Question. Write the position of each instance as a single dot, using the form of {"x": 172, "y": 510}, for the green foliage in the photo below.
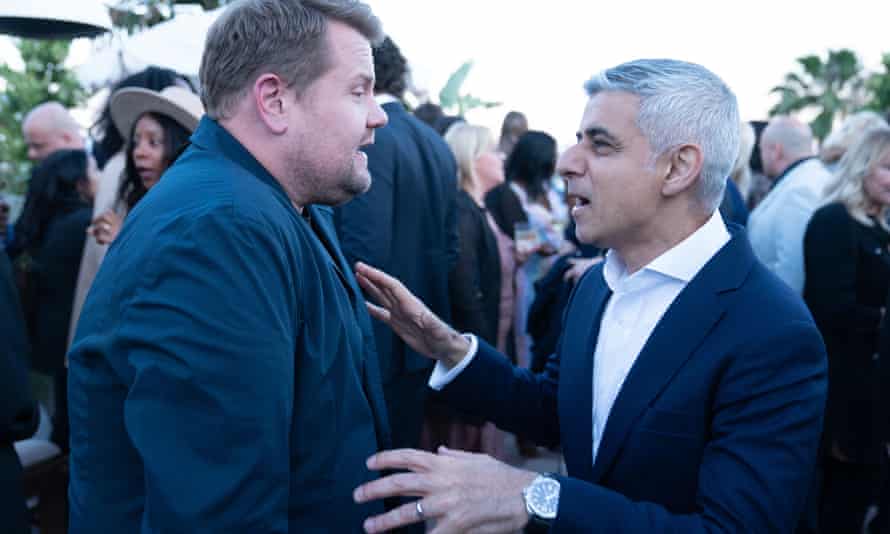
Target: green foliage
{"x": 136, "y": 15}
{"x": 834, "y": 87}
{"x": 43, "y": 78}
{"x": 450, "y": 96}
{"x": 878, "y": 85}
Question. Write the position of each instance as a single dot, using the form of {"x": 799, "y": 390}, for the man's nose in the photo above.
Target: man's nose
{"x": 377, "y": 118}
{"x": 569, "y": 165}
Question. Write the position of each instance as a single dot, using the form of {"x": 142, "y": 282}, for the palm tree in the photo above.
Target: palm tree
{"x": 879, "y": 88}
{"x": 450, "y": 96}
{"x": 834, "y": 87}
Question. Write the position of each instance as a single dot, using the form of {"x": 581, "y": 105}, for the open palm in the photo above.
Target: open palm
{"x": 409, "y": 318}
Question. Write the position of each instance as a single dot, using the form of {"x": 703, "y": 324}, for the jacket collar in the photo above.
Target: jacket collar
{"x": 674, "y": 340}
{"x": 210, "y": 135}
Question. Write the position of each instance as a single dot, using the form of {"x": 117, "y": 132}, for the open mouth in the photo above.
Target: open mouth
{"x": 576, "y": 201}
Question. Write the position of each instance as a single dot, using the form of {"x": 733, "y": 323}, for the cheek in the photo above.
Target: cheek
{"x": 878, "y": 183}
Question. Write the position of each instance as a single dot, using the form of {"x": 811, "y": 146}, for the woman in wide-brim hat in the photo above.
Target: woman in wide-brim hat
{"x": 157, "y": 125}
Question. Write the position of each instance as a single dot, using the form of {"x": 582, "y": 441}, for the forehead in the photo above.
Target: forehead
{"x": 147, "y": 122}
{"x": 349, "y": 50}
{"x": 35, "y": 131}
{"x": 613, "y": 111}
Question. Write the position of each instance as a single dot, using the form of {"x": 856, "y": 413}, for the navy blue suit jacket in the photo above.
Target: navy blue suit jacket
{"x": 406, "y": 224}
{"x": 716, "y": 427}
{"x": 223, "y": 375}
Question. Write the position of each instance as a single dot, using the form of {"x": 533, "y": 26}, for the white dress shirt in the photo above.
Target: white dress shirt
{"x": 638, "y": 301}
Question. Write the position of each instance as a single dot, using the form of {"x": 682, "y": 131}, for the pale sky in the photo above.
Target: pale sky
{"x": 534, "y": 56}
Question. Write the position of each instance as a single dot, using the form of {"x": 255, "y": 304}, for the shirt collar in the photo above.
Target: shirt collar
{"x": 788, "y": 170}
{"x": 384, "y": 98}
{"x": 682, "y": 262}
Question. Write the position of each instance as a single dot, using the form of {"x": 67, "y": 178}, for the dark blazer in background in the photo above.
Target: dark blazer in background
{"x": 505, "y": 208}
{"x": 406, "y": 225}
{"x": 733, "y": 208}
{"x": 716, "y": 427}
{"x": 51, "y": 284}
{"x": 18, "y": 413}
{"x": 223, "y": 375}
{"x": 884, "y": 352}
{"x": 847, "y": 278}
{"x": 476, "y": 280}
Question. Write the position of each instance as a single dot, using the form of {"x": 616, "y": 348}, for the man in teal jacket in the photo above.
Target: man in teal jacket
{"x": 223, "y": 375}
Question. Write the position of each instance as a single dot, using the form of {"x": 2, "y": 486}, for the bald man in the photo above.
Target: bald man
{"x": 50, "y": 127}
{"x": 776, "y": 227}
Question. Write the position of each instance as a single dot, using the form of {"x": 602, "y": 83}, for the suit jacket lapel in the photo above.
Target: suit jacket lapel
{"x": 576, "y": 371}
{"x": 675, "y": 338}
{"x": 323, "y": 229}
{"x": 371, "y": 380}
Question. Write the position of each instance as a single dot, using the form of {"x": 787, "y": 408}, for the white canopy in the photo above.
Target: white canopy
{"x": 175, "y": 44}
{"x": 53, "y": 19}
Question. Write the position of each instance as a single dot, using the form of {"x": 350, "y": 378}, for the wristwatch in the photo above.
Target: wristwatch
{"x": 541, "y": 502}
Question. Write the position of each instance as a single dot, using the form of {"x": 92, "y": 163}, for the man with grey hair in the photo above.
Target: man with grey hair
{"x": 50, "y": 127}
{"x": 777, "y": 225}
{"x": 688, "y": 385}
{"x": 223, "y": 376}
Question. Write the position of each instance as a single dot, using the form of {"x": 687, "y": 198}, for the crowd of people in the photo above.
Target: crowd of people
{"x": 293, "y": 304}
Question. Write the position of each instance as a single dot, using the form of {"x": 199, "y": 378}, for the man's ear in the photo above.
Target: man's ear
{"x": 684, "y": 168}
{"x": 272, "y": 104}
{"x": 70, "y": 140}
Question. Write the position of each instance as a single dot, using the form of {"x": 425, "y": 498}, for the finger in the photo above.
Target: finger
{"x": 381, "y": 279}
{"x": 397, "y": 485}
{"x": 411, "y": 459}
{"x": 374, "y": 291}
{"x": 455, "y": 453}
{"x": 434, "y": 507}
{"x": 378, "y": 313}
{"x": 405, "y": 514}
{"x": 375, "y": 275}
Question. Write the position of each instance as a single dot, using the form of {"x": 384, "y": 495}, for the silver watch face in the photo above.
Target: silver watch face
{"x": 543, "y": 497}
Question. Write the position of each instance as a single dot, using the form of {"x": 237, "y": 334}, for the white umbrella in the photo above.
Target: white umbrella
{"x": 175, "y": 44}
{"x": 53, "y": 19}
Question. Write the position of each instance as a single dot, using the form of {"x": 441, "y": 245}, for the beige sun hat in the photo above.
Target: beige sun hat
{"x": 129, "y": 103}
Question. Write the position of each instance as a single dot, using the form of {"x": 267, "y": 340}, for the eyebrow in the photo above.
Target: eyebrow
{"x": 595, "y": 131}
{"x": 365, "y": 79}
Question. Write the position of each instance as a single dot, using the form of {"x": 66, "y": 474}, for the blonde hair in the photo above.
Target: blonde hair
{"x": 857, "y": 163}
{"x": 741, "y": 170}
{"x": 468, "y": 142}
{"x": 851, "y": 130}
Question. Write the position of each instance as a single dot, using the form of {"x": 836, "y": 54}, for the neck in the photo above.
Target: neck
{"x": 639, "y": 253}
{"x": 791, "y": 161}
{"x": 261, "y": 147}
{"x": 476, "y": 193}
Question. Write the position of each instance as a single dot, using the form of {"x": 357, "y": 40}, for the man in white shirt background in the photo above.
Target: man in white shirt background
{"x": 777, "y": 225}
{"x": 688, "y": 386}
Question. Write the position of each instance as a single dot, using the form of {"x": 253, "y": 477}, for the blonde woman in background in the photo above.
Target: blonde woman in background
{"x": 847, "y": 279}
{"x": 476, "y": 283}
{"x": 741, "y": 170}
{"x": 851, "y": 130}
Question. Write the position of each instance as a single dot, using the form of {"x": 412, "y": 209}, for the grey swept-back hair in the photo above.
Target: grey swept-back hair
{"x": 681, "y": 103}
{"x": 285, "y": 37}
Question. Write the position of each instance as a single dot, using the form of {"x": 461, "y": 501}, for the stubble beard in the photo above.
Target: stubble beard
{"x": 319, "y": 186}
